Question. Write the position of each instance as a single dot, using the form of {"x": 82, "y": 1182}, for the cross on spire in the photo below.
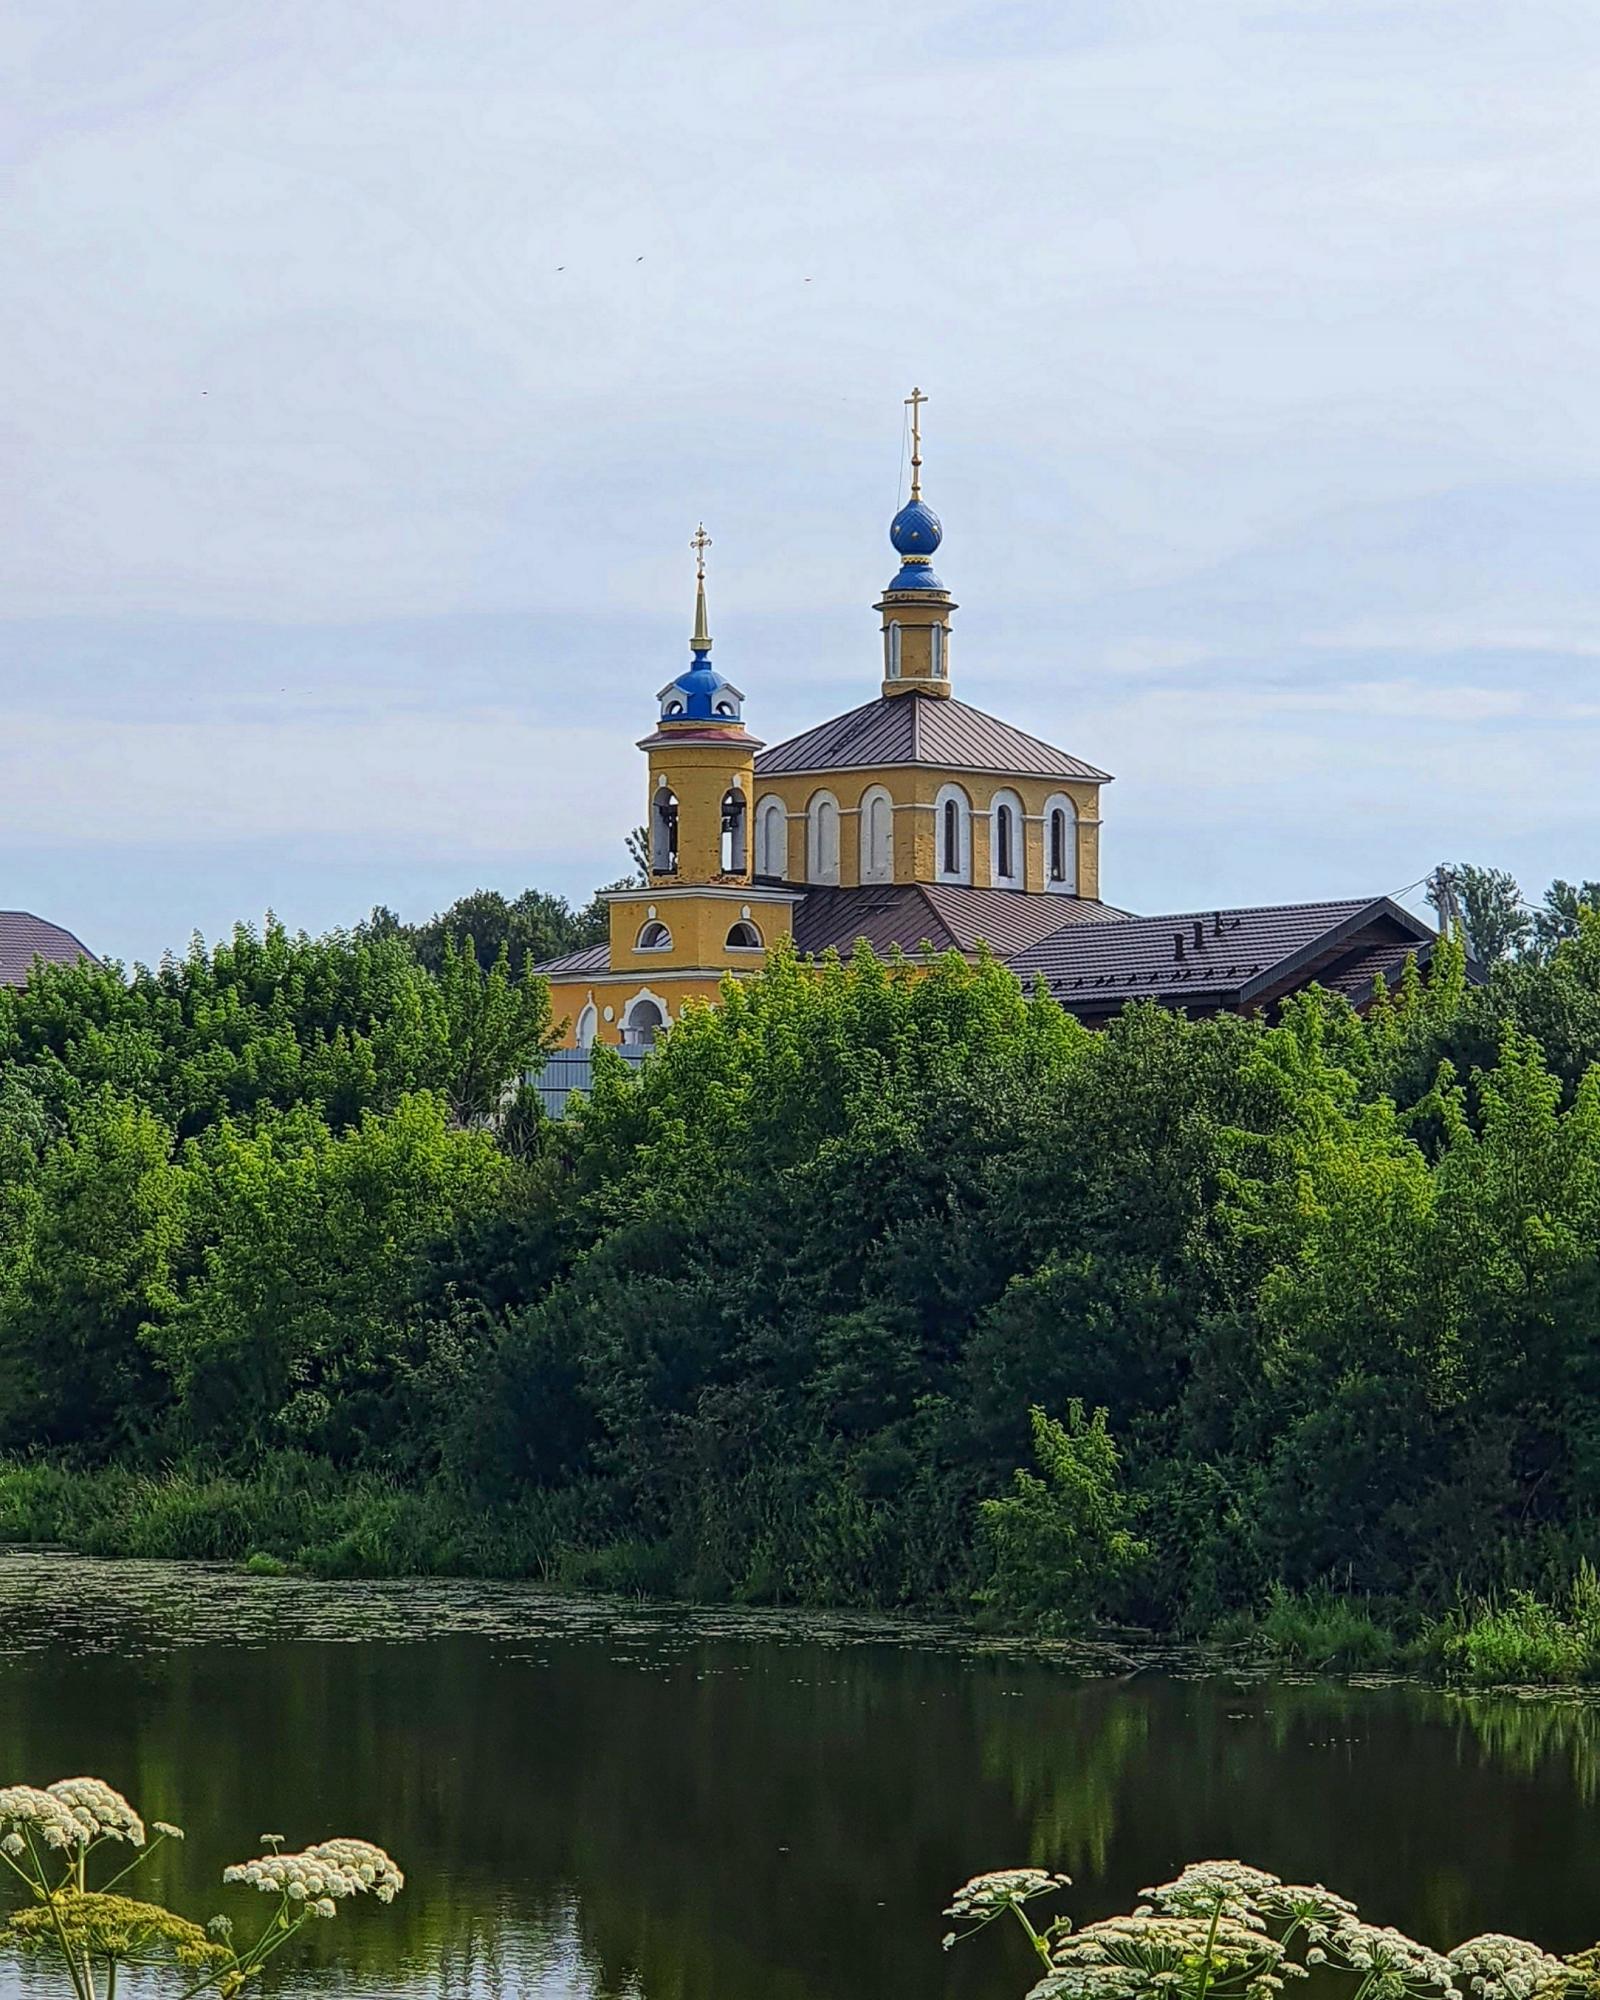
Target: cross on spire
{"x": 914, "y": 403}
{"x": 700, "y": 541}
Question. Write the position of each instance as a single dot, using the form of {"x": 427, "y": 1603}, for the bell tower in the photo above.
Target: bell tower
{"x": 700, "y": 910}
{"x": 916, "y": 607}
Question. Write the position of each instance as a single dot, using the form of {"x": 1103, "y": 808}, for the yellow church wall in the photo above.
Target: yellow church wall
{"x": 612, "y": 997}
{"x": 701, "y": 771}
{"x": 915, "y": 793}
{"x": 699, "y": 921}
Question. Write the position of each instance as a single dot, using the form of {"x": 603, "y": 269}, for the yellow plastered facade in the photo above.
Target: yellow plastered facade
{"x": 914, "y": 795}
{"x": 911, "y": 619}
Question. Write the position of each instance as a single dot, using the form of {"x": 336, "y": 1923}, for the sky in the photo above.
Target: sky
{"x": 369, "y": 363}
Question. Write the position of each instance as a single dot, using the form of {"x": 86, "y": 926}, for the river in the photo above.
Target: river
{"x": 597, "y": 1801}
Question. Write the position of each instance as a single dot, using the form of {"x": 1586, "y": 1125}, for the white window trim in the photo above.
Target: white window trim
{"x": 936, "y": 643}
{"x": 1068, "y": 885}
{"x": 1019, "y": 842}
{"x": 662, "y": 943}
{"x": 817, "y": 868}
{"x": 964, "y": 839}
{"x": 892, "y": 636}
{"x": 869, "y": 798}
{"x": 768, "y": 809}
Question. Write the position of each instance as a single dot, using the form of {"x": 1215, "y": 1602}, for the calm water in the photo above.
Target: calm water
{"x": 593, "y": 1801}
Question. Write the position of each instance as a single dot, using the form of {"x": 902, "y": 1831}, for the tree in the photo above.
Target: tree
{"x": 1490, "y": 902}
{"x": 1558, "y": 917}
{"x": 1059, "y": 1546}
{"x": 528, "y": 929}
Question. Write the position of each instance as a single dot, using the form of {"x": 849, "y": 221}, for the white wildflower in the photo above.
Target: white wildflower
{"x": 38, "y": 1813}
{"x": 167, "y": 1829}
{"x": 1161, "y": 1954}
{"x": 330, "y": 1870}
{"x": 323, "y": 1906}
{"x": 1505, "y": 1968}
{"x": 1395, "y": 1964}
{"x": 989, "y": 1896}
{"x": 13, "y": 1844}
{"x": 1308, "y": 1906}
{"x": 106, "y": 1813}
{"x": 1228, "y": 1887}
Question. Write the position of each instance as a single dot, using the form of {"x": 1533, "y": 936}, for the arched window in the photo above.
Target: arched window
{"x": 772, "y": 838}
{"x": 644, "y": 1021}
{"x": 727, "y": 711}
{"x": 891, "y": 642}
{"x": 822, "y": 839}
{"x": 654, "y": 937}
{"x": 588, "y": 1026}
{"x": 733, "y": 832}
{"x": 664, "y": 832}
{"x": 877, "y": 836}
{"x": 744, "y": 936}
{"x": 1005, "y": 841}
{"x": 936, "y": 645}
{"x": 952, "y": 817}
{"x": 1061, "y": 845}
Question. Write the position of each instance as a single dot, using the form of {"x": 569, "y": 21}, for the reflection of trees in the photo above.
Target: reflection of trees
{"x": 1063, "y": 1753}
{"x": 1528, "y": 1734}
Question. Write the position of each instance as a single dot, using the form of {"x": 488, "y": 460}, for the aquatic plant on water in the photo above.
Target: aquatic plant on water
{"x": 48, "y": 1837}
{"x": 1225, "y": 1931}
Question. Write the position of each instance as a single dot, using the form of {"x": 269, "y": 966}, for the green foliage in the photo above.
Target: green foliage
{"x": 1319, "y": 1628}
{"x": 1059, "y": 1545}
{"x": 1524, "y": 1637}
{"x": 288, "y": 1270}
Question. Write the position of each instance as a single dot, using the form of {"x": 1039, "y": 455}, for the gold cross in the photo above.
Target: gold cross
{"x": 700, "y": 541}
{"x": 914, "y": 403}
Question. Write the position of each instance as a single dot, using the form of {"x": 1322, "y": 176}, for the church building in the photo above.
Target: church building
{"x": 916, "y": 821}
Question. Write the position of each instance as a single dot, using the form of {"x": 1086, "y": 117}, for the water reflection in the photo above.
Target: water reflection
{"x": 594, "y": 1802}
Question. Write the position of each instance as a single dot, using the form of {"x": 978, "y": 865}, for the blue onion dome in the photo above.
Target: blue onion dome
{"x": 915, "y": 530}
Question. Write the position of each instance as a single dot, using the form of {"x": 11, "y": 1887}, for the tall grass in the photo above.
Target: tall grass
{"x": 1522, "y": 1637}
{"x": 298, "y": 1511}
{"x": 1319, "y": 1628}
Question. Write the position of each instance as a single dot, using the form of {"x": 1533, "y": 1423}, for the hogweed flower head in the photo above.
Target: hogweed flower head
{"x": 167, "y": 1830}
{"x": 1505, "y": 1968}
{"x": 986, "y": 1897}
{"x": 1227, "y": 1888}
{"x": 40, "y": 1815}
{"x": 324, "y": 1873}
{"x": 1395, "y": 1964}
{"x": 1123, "y": 1958}
{"x": 105, "y": 1812}
{"x": 1317, "y": 1909}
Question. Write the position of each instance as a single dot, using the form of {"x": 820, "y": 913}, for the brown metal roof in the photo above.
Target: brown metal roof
{"x": 1242, "y": 956}
{"x": 943, "y": 734}
{"x": 593, "y": 958}
{"x": 25, "y": 937}
{"x": 946, "y": 916}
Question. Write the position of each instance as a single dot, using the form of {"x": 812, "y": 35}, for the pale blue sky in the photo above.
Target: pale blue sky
{"x": 342, "y": 530}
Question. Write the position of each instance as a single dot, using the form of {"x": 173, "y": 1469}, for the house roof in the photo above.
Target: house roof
{"x": 942, "y": 733}
{"x": 25, "y": 937}
{"x": 592, "y": 958}
{"x": 945, "y": 915}
{"x": 1244, "y": 957}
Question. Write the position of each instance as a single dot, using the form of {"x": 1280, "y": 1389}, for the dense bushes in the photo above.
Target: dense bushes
{"x": 768, "y": 1318}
